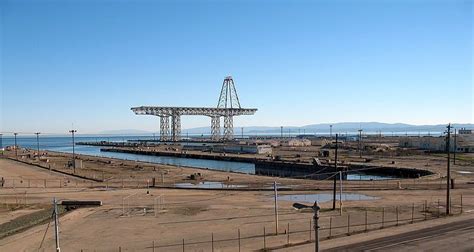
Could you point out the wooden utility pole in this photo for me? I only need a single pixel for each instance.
(73, 151)
(335, 177)
(276, 206)
(448, 181)
(340, 193)
(360, 143)
(455, 147)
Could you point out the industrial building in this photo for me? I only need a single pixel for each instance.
(232, 148)
(463, 141)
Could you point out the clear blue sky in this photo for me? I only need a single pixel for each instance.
(298, 62)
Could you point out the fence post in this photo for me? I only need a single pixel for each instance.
(366, 213)
(426, 209)
(397, 214)
(239, 237)
(438, 208)
(412, 212)
(264, 239)
(348, 224)
(153, 246)
(123, 206)
(330, 227)
(310, 227)
(450, 203)
(383, 217)
(120, 249)
(212, 242)
(183, 245)
(288, 235)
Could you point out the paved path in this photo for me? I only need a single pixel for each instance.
(455, 236)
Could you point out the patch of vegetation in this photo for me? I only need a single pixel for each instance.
(189, 210)
(27, 221)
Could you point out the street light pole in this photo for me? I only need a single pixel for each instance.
(316, 209)
(281, 131)
(37, 143)
(16, 147)
(73, 151)
(56, 225)
(316, 226)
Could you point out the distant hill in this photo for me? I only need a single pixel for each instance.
(351, 127)
(125, 132)
(340, 127)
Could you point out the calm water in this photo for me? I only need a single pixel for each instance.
(365, 176)
(207, 184)
(64, 144)
(323, 197)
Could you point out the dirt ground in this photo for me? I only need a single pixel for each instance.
(133, 219)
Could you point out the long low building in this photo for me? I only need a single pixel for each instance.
(462, 142)
(232, 148)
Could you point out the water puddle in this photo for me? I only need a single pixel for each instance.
(365, 176)
(465, 172)
(279, 186)
(324, 197)
(207, 184)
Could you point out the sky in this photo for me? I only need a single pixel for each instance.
(84, 64)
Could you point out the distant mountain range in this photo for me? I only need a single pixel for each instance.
(125, 132)
(343, 127)
(368, 127)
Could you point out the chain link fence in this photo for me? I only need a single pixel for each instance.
(293, 233)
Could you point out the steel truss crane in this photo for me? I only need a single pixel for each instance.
(227, 107)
